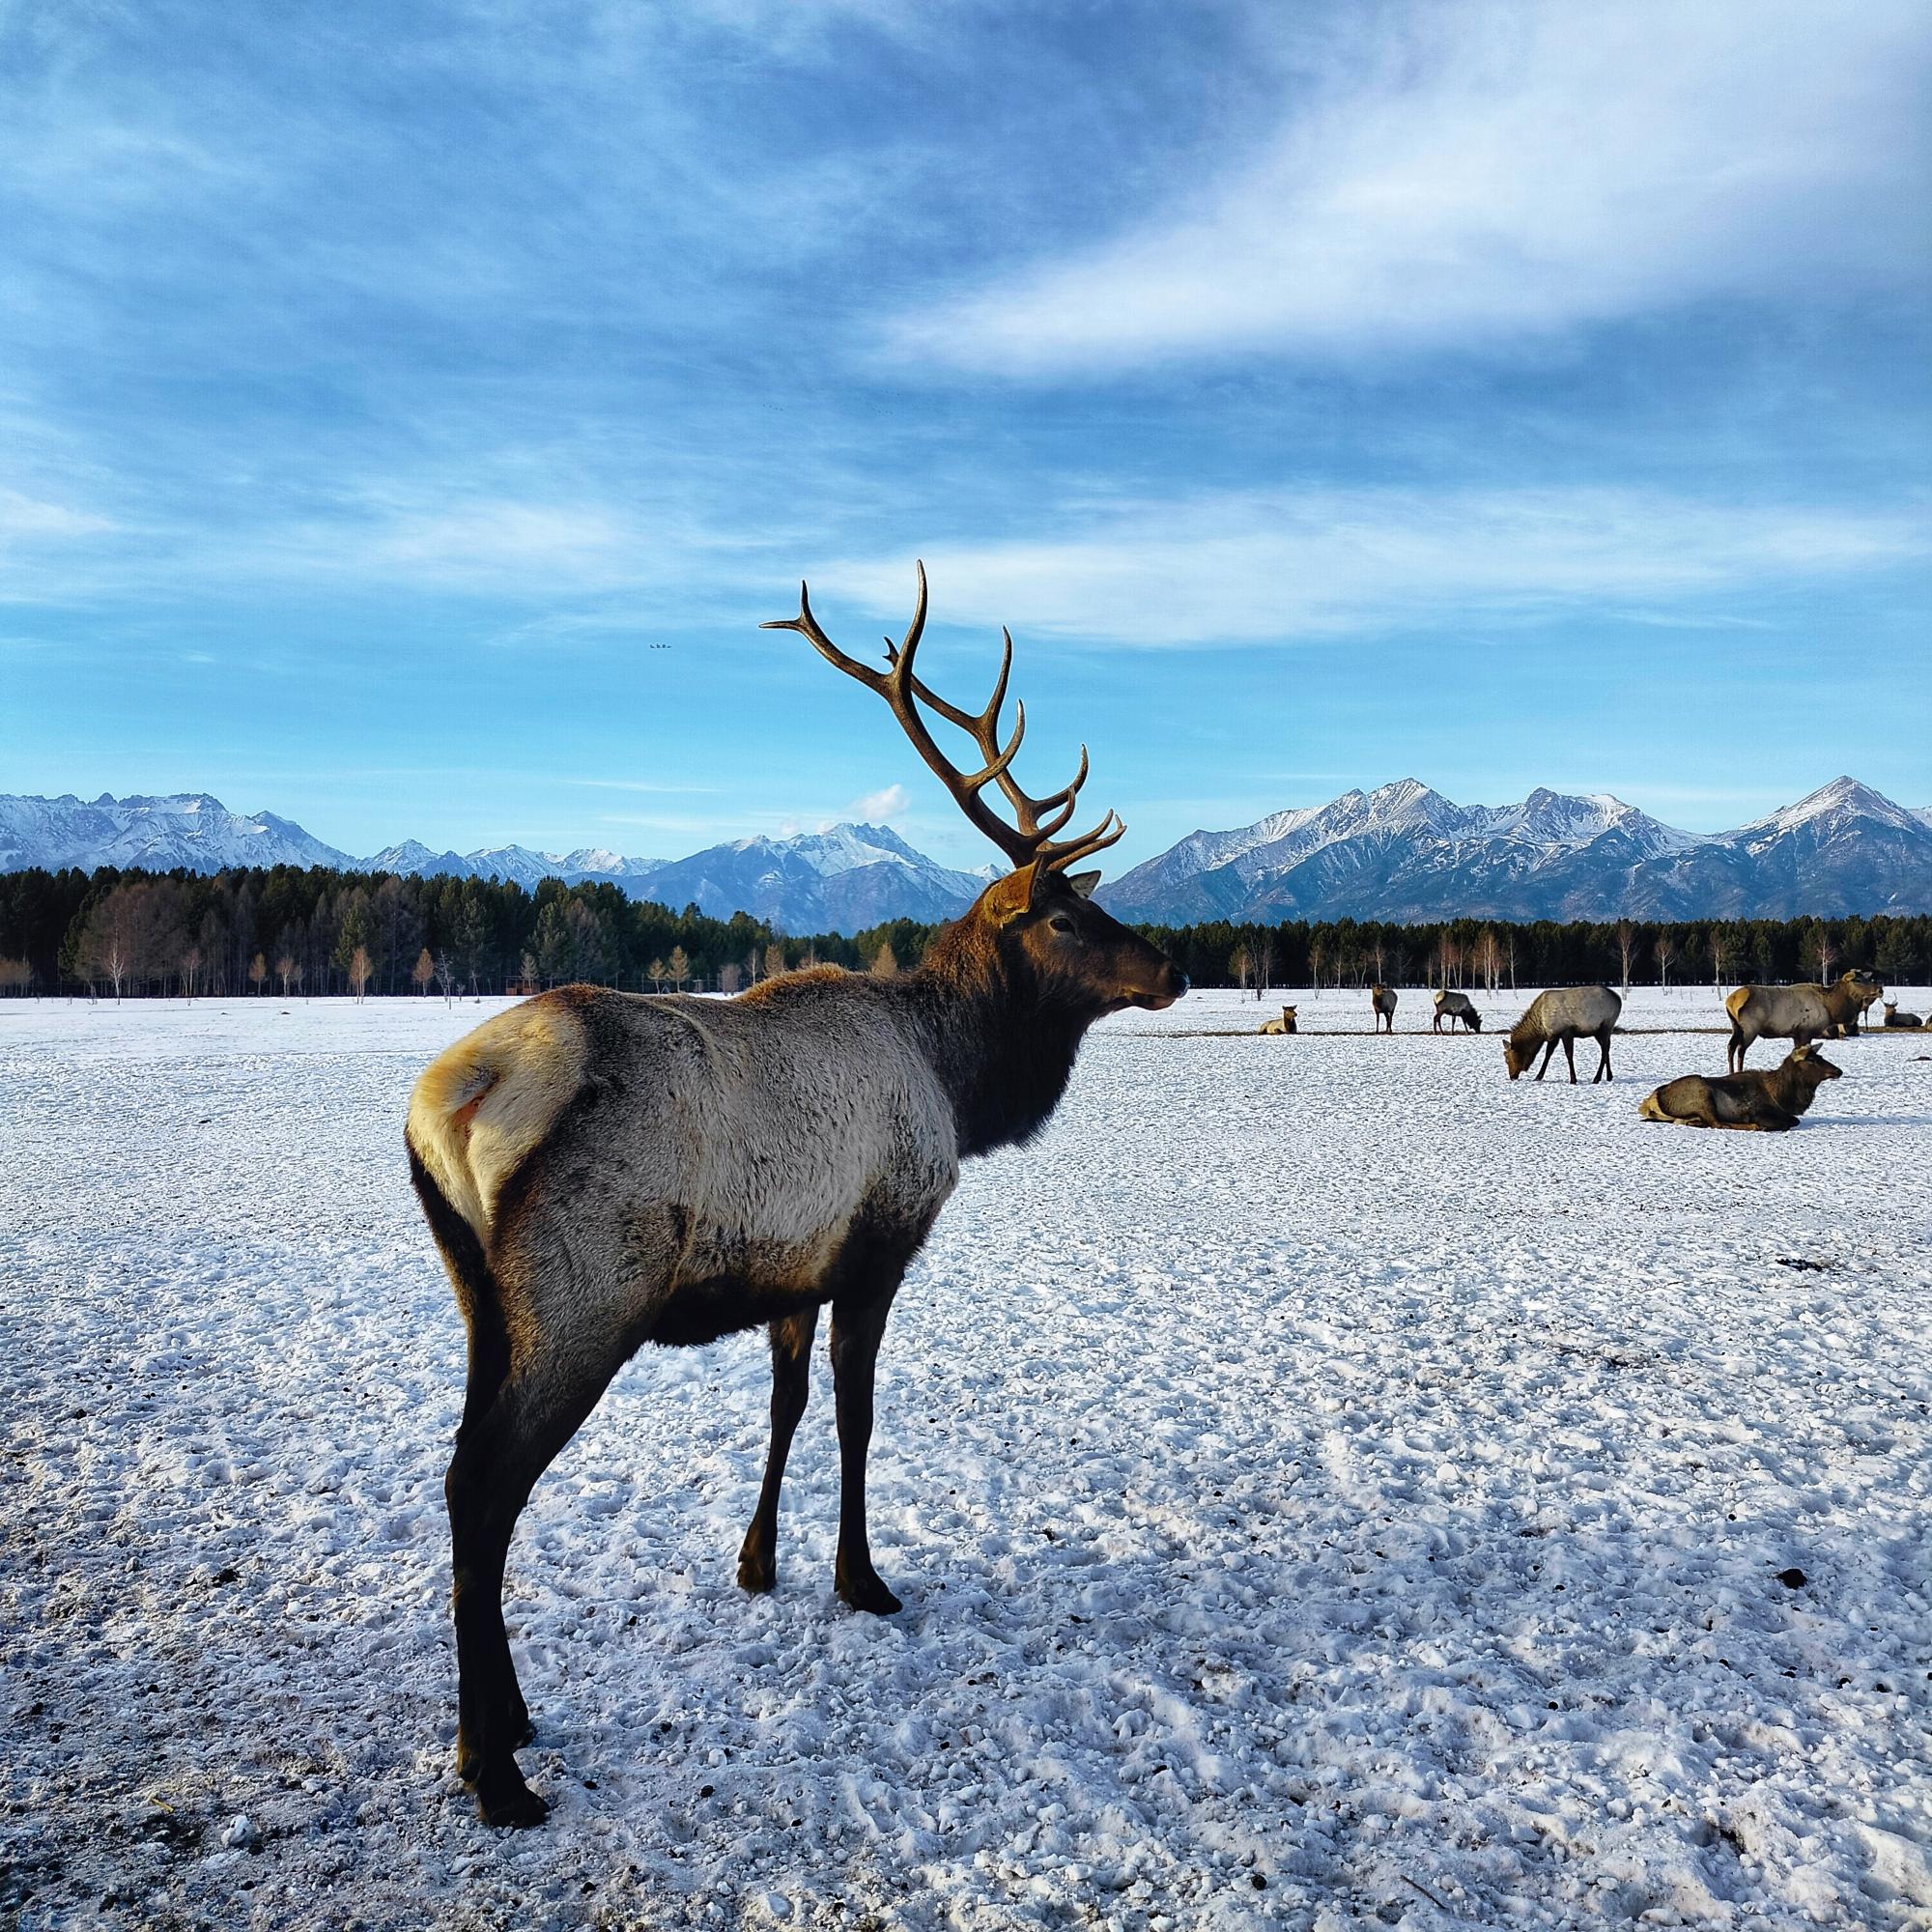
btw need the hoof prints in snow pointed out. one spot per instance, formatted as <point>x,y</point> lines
<point>1324,1479</point>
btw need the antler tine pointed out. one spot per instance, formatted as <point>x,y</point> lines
<point>1060,855</point>
<point>1028,842</point>
<point>807,626</point>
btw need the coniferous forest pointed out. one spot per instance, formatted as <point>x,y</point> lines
<point>293,932</point>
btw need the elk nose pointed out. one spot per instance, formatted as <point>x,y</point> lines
<point>1181,985</point>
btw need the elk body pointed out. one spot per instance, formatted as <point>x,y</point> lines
<point>1798,1013</point>
<point>1286,1023</point>
<point>602,1169</point>
<point>1381,1002</point>
<point>1561,1017</point>
<point>1768,1103</point>
<point>1454,1007</point>
<point>1895,1018</point>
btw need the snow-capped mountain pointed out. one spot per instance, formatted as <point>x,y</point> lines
<point>1405,852</point>
<point>190,830</point>
<point>840,879</point>
<point>1400,852</point>
<point>833,881</point>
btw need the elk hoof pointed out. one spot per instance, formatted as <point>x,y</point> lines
<point>867,1593</point>
<point>756,1572</point>
<point>506,1802</point>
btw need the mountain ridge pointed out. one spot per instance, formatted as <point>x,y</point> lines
<point>1400,852</point>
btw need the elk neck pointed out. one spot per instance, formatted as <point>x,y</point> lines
<point>1002,1044</point>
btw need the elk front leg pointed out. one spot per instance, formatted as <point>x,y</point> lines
<point>791,1386</point>
<point>856,1329</point>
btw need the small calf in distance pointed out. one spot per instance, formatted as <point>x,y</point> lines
<point>1753,1102</point>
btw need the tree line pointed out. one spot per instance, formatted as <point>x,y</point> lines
<point>289,931</point>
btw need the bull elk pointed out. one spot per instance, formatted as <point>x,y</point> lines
<point>1798,1013</point>
<point>601,1170</point>
<point>1910,1022</point>
<point>1768,1103</point>
<point>1381,1003</point>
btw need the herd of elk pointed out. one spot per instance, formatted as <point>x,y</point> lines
<point>601,1169</point>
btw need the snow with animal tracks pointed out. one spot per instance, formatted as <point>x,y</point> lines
<point>1328,1483</point>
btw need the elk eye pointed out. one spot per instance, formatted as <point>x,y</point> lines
<point>1059,923</point>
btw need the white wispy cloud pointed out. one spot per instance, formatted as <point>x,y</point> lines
<point>1470,173</point>
<point>1289,565</point>
<point>879,808</point>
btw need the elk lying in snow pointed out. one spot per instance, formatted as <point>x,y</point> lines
<point>1286,1023</point>
<point>1562,1018</point>
<point>1895,1018</point>
<point>1454,1007</point>
<point>1768,1103</point>
<point>603,1170</point>
<point>1797,1013</point>
<point>1381,999</point>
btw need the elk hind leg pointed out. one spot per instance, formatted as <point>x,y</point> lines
<point>791,1387</point>
<point>1603,1071</point>
<point>498,1458</point>
<point>856,1326</point>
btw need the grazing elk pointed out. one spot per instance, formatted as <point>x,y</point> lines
<point>1766,1103</point>
<point>1454,1007</point>
<point>1286,1023</point>
<point>602,1169</point>
<point>1911,1022</point>
<point>1562,1018</point>
<point>1798,1013</point>
<point>1382,1001</point>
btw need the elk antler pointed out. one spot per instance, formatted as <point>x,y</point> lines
<point>1032,841</point>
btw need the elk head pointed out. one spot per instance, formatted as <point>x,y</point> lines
<point>1037,931</point>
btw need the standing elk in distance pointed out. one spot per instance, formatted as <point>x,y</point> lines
<point>602,1169</point>
<point>1798,1013</point>
<point>1382,1001</point>
<point>1895,1018</point>
<point>1562,1018</point>
<point>1454,1007</point>
<point>1286,1023</point>
<point>1768,1103</point>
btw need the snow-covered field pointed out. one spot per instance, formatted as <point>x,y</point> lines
<point>1329,1486</point>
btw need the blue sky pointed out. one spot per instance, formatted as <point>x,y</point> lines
<point>407,415</point>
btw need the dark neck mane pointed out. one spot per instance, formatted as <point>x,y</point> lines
<point>1003,1049</point>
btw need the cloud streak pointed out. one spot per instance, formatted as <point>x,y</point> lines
<point>1304,564</point>
<point>1482,173</point>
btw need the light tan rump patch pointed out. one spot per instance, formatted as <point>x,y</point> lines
<point>482,1104</point>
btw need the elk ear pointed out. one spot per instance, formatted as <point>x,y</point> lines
<point>1083,883</point>
<point>1009,897</point>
